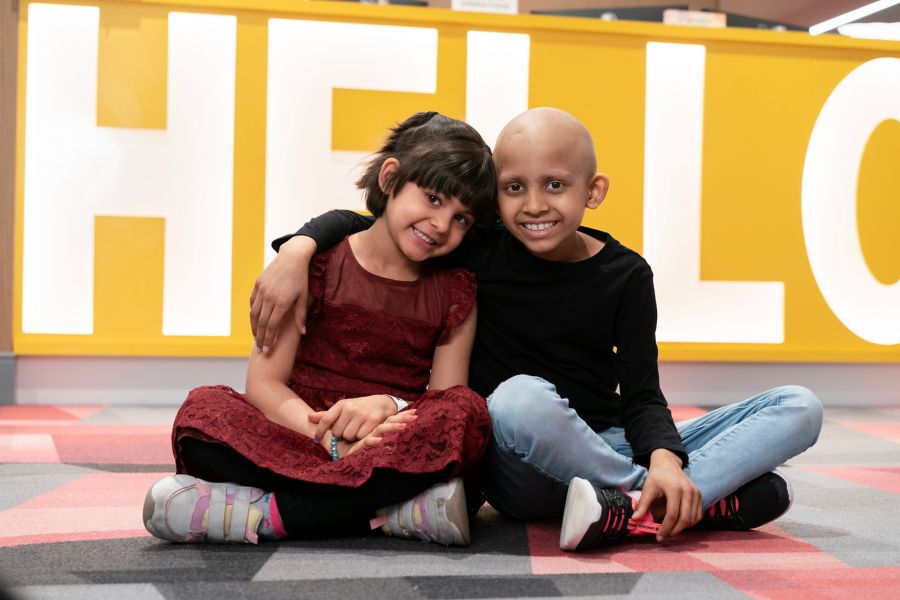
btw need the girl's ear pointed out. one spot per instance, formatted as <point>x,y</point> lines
<point>597,189</point>
<point>388,168</point>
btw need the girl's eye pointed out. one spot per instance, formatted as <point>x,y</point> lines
<point>514,188</point>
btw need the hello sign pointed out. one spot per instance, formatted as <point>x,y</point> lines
<point>163,144</point>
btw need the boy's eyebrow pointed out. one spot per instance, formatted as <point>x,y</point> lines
<point>540,177</point>
<point>508,175</point>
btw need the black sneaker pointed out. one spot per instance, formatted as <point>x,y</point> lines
<point>755,503</point>
<point>595,517</point>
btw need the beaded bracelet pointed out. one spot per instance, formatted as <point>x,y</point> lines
<point>334,451</point>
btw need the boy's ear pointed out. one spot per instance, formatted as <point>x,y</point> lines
<point>388,168</point>
<point>597,189</point>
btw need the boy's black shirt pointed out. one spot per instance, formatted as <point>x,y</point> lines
<point>587,327</point>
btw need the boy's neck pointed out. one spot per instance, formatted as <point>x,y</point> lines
<point>591,244</point>
<point>582,247</point>
<point>377,252</point>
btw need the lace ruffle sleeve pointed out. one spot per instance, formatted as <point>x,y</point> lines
<point>317,269</point>
<point>462,294</point>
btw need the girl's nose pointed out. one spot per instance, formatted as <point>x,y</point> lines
<point>441,222</point>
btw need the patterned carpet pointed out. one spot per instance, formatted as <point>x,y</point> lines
<point>73,479</point>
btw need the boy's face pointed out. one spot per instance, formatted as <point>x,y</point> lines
<point>546,181</point>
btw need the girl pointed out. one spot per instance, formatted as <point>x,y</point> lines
<point>321,440</point>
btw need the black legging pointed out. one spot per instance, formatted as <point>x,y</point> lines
<point>307,509</point>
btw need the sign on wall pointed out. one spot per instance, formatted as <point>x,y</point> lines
<point>162,146</point>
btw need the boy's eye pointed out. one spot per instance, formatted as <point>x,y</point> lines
<point>462,219</point>
<point>432,199</point>
<point>555,186</point>
<point>514,188</point>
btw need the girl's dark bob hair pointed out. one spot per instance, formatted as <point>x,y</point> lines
<point>437,153</point>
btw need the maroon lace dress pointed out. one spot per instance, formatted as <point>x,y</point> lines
<point>365,335</point>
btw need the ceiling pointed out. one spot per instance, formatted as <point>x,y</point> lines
<point>804,12</point>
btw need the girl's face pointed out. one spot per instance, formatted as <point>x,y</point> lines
<point>425,224</point>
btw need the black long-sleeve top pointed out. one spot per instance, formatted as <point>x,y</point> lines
<point>588,327</point>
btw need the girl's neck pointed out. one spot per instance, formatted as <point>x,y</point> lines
<point>377,252</point>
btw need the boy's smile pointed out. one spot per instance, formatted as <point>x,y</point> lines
<point>547,178</point>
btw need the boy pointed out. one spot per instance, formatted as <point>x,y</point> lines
<point>567,315</point>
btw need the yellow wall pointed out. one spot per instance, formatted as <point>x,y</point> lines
<point>763,94</point>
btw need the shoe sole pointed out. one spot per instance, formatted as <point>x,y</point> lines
<point>457,512</point>
<point>582,510</point>
<point>157,496</point>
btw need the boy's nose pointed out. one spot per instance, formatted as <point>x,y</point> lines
<point>534,204</point>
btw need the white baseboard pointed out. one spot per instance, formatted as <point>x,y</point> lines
<point>131,380</point>
<point>835,384</point>
<point>120,380</point>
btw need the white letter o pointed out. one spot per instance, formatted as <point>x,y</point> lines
<point>866,97</point>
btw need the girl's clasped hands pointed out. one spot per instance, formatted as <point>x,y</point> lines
<point>360,422</point>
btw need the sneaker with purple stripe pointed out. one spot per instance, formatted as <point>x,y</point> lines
<point>182,508</point>
<point>436,515</point>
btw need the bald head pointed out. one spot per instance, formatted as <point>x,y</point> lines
<point>551,129</point>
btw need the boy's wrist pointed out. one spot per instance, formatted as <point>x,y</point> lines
<point>664,455</point>
<point>300,245</point>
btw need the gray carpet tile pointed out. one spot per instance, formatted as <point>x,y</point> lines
<point>132,560</point>
<point>853,522</point>
<point>134,591</point>
<point>288,564</point>
<point>341,589</point>
<point>844,446</point>
<point>447,588</point>
<point>23,481</point>
<point>674,586</point>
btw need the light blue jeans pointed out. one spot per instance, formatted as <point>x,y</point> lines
<point>540,444</point>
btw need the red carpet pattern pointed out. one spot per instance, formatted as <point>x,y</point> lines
<point>73,479</point>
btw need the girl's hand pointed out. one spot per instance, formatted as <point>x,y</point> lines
<point>353,418</point>
<point>669,491</point>
<point>396,422</point>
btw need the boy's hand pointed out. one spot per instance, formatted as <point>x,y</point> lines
<point>667,489</point>
<point>396,422</point>
<point>353,419</point>
<point>283,284</point>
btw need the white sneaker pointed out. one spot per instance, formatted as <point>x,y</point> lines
<point>182,508</point>
<point>596,517</point>
<point>436,515</point>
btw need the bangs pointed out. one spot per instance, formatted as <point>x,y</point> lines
<point>463,172</point>
<point>438,153</point>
